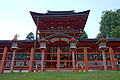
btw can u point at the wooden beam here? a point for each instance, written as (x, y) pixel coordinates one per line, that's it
(31, 60)
(112, 59)
(35, 41)
(3, 60)
(86, 59)
(58, 60)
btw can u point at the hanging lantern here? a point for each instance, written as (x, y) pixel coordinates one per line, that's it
(81, 31)
(102, 44)
(72, 45)
(39, 32)
(73, 42)
(43, 43)
(15, 44)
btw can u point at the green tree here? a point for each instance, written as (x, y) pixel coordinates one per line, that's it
(109, 21)
(84, 35)
(115, 32)
(100, 35)
(30, 36)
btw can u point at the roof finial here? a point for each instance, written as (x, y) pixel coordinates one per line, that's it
(16, 36)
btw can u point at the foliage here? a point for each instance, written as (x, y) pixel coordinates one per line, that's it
(109, 21)
(84, 35)
(115, 32)
(100, 35)
(30, 36)
(94, 75)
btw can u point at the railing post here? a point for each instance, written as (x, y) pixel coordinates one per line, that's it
(31, 60)
(58, 59)
(112, 59)
(86, 59)
(3, 60)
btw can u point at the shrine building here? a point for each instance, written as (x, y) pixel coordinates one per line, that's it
(59, 46)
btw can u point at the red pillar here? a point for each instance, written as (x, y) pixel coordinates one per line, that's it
(3, 60)
(58, 60)
(42, 61)
(73, 59)
(86, 59)
(104, 61)
(13, 61)
(31, 60)
(112, 59)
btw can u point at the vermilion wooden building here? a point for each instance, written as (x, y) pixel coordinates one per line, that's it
(60, 46)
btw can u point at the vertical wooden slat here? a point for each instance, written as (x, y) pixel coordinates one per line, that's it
(58, 59)
(31, 60)
(112, 59)
(86, 59)
(3, 60)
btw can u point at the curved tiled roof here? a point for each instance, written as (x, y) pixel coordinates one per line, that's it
(60, 13)
(59, 34)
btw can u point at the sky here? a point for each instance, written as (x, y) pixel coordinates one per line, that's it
(15, 17)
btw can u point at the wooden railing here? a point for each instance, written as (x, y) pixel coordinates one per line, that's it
(55, 61)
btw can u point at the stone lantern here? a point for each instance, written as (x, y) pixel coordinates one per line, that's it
(73, 47)
(43, 47)
(102, 47)
(14, 48)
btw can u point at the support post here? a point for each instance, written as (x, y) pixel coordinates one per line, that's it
(3, 60)
(13, 61)
(35, 42)
(112, 59)
(42, 61)
(104, 61)
(73, 60)
(31, 60)
(58, 59)
(86, 60)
